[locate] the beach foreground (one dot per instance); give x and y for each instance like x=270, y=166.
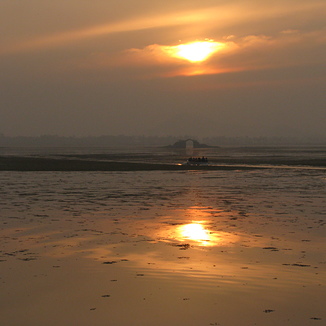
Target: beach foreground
x=239, y=247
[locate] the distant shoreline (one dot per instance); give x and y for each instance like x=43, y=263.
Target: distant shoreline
x=131, y=141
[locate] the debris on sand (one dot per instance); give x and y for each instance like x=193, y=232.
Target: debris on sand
x=301, y=265
x=27, y=259
x=271, y=248
x=113, y=261
x=109, y=262
x=184, y=246
x=267, y=311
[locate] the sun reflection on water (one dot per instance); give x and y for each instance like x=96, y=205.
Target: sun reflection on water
x=197, y=233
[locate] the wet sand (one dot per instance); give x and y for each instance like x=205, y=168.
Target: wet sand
x=239, y=247
x=20, y=163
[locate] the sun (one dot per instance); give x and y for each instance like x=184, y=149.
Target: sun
x=195, y=51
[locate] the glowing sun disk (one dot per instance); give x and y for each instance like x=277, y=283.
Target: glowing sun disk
x=196, y=51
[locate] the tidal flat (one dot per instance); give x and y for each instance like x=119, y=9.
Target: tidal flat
x=207, y=247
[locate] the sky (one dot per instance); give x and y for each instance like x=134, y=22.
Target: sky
x=138, y=67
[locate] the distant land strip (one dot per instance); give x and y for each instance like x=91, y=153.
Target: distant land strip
x=19, y=163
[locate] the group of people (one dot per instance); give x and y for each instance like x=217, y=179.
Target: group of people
x=198, y=159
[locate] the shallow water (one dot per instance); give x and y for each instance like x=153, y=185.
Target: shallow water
x=163, y=248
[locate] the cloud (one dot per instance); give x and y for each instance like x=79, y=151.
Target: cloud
x=199, y=21
x=153, y=22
